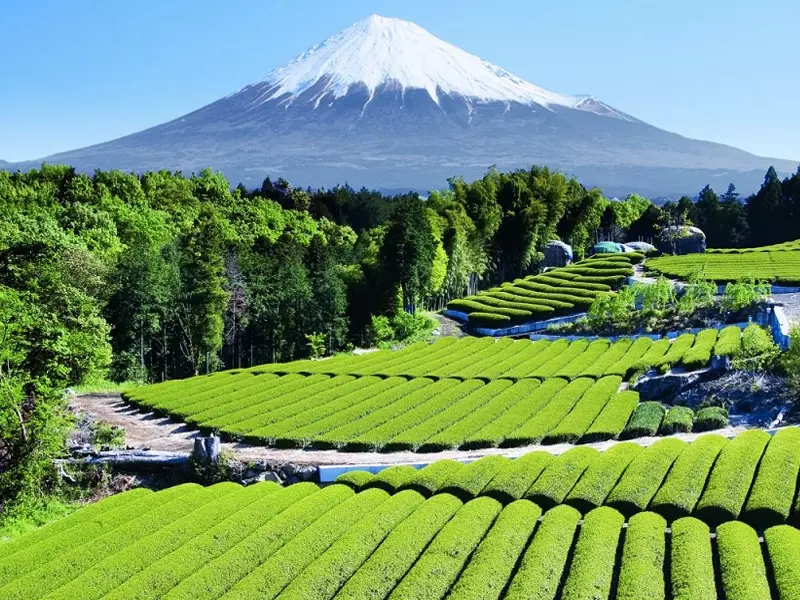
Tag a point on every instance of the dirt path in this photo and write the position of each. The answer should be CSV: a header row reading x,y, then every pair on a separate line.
x,y
146,430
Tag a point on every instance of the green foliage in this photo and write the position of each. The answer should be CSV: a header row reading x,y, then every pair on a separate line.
x,y
769,502
402,328
645,421
316,345
729,483
599,479
678,419
758,351
106,435
790,362
744,294
782,543
692,567
593,562
742,571
641,576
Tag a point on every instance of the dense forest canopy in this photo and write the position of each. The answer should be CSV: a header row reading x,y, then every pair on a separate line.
x,y
161,276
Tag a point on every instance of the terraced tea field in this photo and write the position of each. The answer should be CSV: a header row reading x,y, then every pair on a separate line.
x,y
302,542
561,291
781,267
470,393
753,478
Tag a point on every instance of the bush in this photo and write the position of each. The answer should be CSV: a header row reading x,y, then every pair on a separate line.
x,y
355,479
470,480
612,419
644,476
741,564
770,499
561,475
401,549
710,418
681,490
323,578
592,566
442,562
391,478
729,341
758,351
677,420
782,543
516,477
489,320
641,574
599,479
645,421
430,479
542,566
494,560
583,414
700,353
731,477
691,561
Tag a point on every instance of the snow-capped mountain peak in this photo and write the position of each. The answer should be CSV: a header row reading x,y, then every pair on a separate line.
x,y
379,50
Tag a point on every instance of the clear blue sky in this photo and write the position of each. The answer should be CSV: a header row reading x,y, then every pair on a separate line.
x,y
85,71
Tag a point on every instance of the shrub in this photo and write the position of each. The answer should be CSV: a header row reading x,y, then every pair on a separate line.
x,y
595,555
583,414
560,476
681,490
270,577
641,574
731,477
546,419
470,480
741,564
381,573
430,479
490,320
700,353
709,418
729,341
758,351
782,543
160,577
676,352
494,560
601,476
516,477
678,419
644,475
534,397
770,499
542,566
323,578
611,421
443,561
645,421
391,478
691,561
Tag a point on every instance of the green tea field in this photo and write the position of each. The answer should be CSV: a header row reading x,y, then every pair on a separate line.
x,y
567,528
469,393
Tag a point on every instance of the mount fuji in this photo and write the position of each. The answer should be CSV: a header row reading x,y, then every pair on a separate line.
x,y
386,104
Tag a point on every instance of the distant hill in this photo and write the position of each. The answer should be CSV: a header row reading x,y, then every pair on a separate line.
x,y
387,105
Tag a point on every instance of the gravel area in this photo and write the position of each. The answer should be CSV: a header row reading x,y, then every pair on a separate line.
x,y
791,305
146,430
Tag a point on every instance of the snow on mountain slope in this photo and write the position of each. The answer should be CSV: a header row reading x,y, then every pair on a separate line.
x,y
379,50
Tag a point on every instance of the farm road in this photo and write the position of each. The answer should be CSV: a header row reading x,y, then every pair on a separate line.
x,y
146,430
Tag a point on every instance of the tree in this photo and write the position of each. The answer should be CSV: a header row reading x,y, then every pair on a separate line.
x,y
765,212
202,296
408,249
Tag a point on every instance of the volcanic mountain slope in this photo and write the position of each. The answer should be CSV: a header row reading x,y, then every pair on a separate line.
x,y
386,104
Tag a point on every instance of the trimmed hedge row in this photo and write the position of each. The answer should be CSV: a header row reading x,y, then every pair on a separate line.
x,y
743,573
770,500
679,419
644,476
729,341
691,561
731,477
470,481
560,476
573,426
681,491
542,566
318,544
592,567
612,420
442,562
700,353
641,574
603,473
646,421
711,417
517,476
493,562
